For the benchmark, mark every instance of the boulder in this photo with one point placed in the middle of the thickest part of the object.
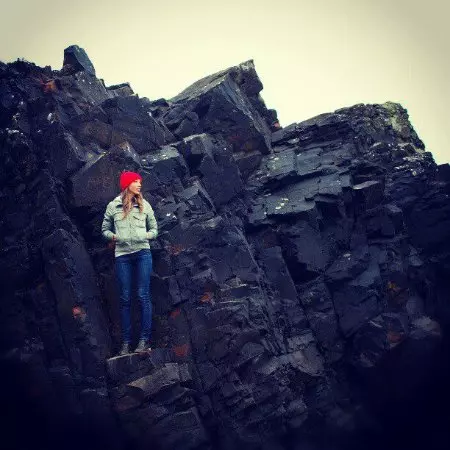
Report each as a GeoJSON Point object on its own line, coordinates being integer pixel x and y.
{"type": "Point", "coordinates": [78, 60]}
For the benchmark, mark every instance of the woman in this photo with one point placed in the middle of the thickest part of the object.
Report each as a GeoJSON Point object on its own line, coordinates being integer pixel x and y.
{"type": "Point", "coordinates": [130, 223]}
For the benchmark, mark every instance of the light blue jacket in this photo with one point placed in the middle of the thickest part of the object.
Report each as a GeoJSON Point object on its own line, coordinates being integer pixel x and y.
{"type": "Point", "coordinates": [132, 233]}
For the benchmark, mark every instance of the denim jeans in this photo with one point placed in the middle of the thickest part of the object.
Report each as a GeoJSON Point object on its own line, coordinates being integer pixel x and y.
{"type": "Point", "coordinates": [138, 266]}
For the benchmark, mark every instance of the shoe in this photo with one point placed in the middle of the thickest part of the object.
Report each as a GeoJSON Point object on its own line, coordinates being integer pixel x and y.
{"type": "Point", "coordinates": [142, 346]}
{"type": "Point", "coordinates": [125, 349]}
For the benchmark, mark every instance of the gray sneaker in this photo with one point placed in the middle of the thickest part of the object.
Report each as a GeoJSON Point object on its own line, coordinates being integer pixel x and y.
{"type": "Point", "coordinates": [143, 346]}
{"type": "Point", "coordinates": [125, 349]}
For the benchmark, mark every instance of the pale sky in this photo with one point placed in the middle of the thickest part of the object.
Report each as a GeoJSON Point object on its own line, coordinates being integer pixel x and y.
{"type": "Point", "coordinates": [312, 56]}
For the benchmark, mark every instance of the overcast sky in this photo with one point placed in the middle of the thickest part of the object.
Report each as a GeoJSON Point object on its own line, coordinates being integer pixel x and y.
{"type": "Point", "coordinates": [311, 56]}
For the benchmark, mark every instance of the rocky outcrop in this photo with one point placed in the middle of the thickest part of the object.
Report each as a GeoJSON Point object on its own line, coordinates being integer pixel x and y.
{"type": "Point", "coordinates": [295, 267]}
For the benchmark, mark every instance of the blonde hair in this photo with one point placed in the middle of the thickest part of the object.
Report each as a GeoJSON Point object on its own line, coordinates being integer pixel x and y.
{"type": "Point", "coordinates": [127, 201]}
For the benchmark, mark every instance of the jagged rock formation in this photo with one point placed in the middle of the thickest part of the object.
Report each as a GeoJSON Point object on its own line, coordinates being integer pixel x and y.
{"type": "Point", "coordinates": [300, 274]}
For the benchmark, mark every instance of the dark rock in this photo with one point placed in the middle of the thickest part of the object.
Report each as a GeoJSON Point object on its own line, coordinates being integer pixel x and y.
{"type": "Point", "coordinates": [72, 279]}
{"type": "Point", "coordinates": [97, 181]}
{"type": "Point", "coordinates": [219, 104]}
{"type": "Point", "coordinates": [166, 163]}
{"type": "Point", "coordinates": [358, 301]}
{"type": "Point", "coordinates": [444, 172]}
{"type": "Point", "coordinates": [77, 59]}
{"type": "Point", "coordinates": [132, 123]}
{"type": "Point", "coordinates": [300, 279]}
{"type": "Point", "coordinates": [220, 165]}
{"type": "Point", "coordinates": [66, 154]}
{"type": "Point", "coordinates": [368, 194]}
{"type": "Point", "coordinates": [80, 92]}
{"type": "Point", "coordinates": [150, 385]}
{"type": "Point", "coordinates": [122, 89]}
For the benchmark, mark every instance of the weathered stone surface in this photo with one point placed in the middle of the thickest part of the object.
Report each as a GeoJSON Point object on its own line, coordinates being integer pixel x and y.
{"type": "Point", "coordinates": [122, 89]}
{"type": "Point", "coordinates": [151, 385]}
{"type": "Point", "coordinates": [78, 59]}
{"type": "Point", "coordinates": [216, 104]}
{"type": "Point", "coordinates": [124, 369]}
{"type": "Point", "coordinates": [72, 278]}
{"type": "Point", "coordinates": [300, 278]}
{"type": "Point", "coordinates": [368, 194]}
{"type": "Point", "coordinates": [131, 122]}
{"type": "Point", "coordinates": [165, 163]}
{"type": "Point", "coordinates": [93, 184]}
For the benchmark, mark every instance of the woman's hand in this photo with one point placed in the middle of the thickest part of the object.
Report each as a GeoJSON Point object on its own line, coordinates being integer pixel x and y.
{"type": "Point", "coordinates": [112, 242]}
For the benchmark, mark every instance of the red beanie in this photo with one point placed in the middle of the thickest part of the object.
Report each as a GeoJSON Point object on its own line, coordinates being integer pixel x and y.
{"type": "Point", "coordinates": [126, 178]}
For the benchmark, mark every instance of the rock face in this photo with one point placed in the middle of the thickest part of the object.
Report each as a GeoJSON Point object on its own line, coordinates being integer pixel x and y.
{"type": "Point", "coordinates": [301, 274]}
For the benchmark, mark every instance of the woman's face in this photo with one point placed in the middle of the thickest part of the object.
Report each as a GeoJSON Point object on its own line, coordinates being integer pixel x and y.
{"type": "Point", "coordinates": [135, 187]}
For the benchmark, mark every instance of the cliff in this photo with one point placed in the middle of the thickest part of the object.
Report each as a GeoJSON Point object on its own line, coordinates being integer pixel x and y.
{"type": "Point", "coordinates": [301, 273]}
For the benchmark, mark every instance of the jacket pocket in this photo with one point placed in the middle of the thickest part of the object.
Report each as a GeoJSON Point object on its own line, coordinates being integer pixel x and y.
{"type": "Point", "coordinates": [121, 228]}
{"type": "Point", "coordinates": [140, 227]}
{"type": "Point", "coordinates": [139, 220]}
{"type": "Point", "coordinates": [118, 218]}
{"type": "Point", "coordinates": [141, 234]}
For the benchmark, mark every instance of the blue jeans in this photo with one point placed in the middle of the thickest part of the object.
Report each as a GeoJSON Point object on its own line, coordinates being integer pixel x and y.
{"type": "Point", "coordinates": [138, 264]}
